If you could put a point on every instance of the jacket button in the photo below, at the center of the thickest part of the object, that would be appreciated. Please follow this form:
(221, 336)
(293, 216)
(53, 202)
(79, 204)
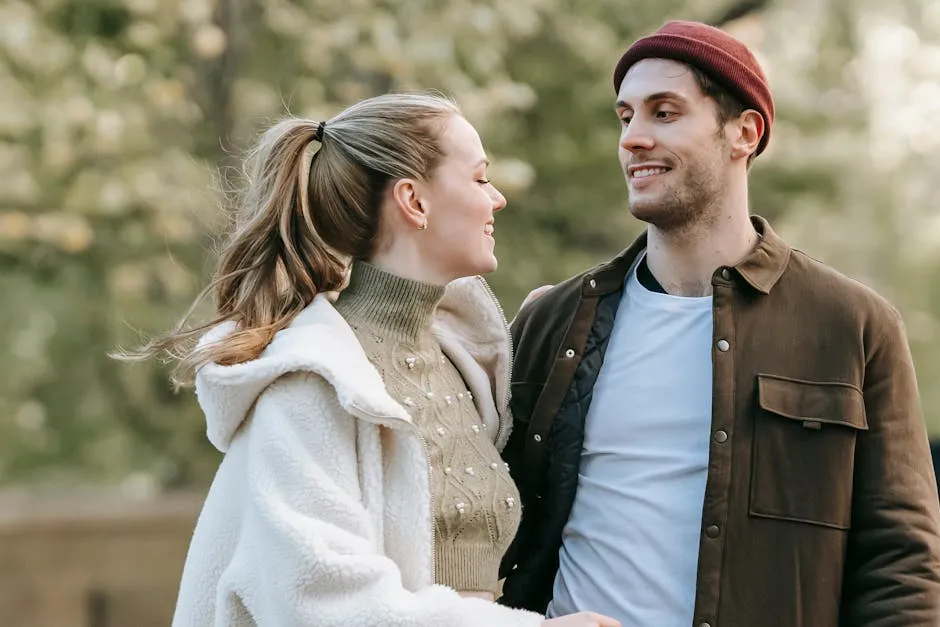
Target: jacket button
(592, 283)
(537, 437)
(712, 531)
(726, 274)
(721, 437)
(723, 346)
(569, 353)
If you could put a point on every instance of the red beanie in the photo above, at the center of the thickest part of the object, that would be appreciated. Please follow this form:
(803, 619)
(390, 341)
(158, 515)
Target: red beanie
(715, 52)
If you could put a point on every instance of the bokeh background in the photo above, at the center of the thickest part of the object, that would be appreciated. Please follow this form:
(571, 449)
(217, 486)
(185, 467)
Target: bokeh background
(119, 119)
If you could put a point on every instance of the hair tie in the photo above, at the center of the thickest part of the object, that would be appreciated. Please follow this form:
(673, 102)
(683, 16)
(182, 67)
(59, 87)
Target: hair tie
(319, 134)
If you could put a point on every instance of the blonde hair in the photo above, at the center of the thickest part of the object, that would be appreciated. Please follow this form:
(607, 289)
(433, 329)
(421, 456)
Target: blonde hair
(297, 225)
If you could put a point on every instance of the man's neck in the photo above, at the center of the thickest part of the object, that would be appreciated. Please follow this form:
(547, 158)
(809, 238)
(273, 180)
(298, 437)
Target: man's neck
(684, 260)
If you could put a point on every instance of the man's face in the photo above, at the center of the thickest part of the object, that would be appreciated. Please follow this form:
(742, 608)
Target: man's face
(673, 152)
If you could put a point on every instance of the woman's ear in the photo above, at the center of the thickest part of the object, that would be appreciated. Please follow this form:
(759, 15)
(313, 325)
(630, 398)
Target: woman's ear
(408, 204)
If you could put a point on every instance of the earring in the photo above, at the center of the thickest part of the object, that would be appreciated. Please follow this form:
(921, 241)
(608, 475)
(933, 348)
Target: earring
(423, 227)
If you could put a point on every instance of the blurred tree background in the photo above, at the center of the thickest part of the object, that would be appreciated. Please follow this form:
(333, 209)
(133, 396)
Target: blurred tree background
(117, 115)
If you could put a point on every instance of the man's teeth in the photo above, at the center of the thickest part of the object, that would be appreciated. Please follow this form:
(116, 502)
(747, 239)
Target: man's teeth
(639, 174)
(488, 229)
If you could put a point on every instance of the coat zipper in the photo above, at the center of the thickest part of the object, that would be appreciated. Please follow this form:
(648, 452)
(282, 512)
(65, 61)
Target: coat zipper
(499, 429)
(502, 314)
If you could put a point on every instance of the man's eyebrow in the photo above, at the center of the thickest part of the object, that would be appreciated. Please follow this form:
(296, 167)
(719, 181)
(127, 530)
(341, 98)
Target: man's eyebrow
(657, 97)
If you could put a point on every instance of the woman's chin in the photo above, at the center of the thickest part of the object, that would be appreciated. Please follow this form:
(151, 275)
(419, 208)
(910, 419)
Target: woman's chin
(484, 264)
(489, 266)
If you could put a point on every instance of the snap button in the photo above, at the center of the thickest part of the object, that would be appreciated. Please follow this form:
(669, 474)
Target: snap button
(537, 437)
(721, 437)
(726, 274)
(723, 346)
(569, 353)
(704, 625)
(592, 283)
(712, 531)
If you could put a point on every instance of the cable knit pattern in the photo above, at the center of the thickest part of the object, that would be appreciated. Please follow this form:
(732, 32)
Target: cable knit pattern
(476, 505)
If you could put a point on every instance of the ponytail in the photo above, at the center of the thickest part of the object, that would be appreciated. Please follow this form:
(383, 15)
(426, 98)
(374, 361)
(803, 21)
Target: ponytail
(271, 267)
(299, 221)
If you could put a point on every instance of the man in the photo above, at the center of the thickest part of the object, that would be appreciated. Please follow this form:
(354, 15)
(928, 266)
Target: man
(935, 457)
(714, 429)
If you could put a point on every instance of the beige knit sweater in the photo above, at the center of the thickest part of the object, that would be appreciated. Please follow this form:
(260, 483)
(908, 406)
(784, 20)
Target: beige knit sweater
(474, 500)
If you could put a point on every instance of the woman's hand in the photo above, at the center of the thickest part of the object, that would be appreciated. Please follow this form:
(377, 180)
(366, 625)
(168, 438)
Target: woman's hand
(582, 619)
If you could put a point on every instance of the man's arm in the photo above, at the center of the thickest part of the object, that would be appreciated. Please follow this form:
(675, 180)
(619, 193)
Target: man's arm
(892, 572)
(534, 294)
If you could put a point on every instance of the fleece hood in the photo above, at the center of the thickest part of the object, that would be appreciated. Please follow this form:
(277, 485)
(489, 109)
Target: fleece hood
(468, 323)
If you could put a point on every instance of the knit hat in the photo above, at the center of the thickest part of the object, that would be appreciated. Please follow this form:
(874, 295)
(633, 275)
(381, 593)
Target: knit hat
(715, 52)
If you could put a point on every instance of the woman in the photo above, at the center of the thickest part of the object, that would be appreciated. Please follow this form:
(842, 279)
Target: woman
(361, 483)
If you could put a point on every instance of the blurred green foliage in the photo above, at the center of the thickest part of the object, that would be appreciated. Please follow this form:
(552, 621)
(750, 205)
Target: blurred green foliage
(116, 115)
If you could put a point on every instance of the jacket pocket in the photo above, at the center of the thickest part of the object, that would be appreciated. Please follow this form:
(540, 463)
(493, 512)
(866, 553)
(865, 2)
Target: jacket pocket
(804, 450)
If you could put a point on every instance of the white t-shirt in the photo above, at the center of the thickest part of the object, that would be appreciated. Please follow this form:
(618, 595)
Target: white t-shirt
(630, 547)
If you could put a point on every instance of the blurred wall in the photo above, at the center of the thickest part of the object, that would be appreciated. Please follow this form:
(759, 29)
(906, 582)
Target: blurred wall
(92, 560)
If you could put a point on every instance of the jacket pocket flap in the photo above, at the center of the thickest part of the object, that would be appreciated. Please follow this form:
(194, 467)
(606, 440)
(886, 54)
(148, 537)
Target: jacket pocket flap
(813, 403)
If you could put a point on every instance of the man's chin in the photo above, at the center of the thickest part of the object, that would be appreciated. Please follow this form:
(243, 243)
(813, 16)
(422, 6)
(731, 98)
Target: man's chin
(645, 211)
(666, 218)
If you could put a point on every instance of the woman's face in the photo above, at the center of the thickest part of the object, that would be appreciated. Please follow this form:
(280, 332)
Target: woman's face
(460, 204)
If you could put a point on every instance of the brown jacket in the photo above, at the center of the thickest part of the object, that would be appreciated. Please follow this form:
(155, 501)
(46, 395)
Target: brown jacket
(821, 506)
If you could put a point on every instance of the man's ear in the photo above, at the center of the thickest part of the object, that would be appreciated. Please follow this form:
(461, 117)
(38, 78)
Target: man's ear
(408, 204)
(749, 131)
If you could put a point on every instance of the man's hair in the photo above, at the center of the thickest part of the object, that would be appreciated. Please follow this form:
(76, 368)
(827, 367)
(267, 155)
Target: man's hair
(727, 106)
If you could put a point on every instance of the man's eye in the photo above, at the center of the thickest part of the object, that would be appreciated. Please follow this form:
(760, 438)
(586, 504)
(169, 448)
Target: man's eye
(483, 181)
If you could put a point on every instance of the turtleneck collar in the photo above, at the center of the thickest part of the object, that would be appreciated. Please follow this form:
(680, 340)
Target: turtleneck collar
(388, 303)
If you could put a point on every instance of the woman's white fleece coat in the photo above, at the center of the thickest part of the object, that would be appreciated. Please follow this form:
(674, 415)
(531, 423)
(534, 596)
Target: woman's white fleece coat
(320, 512)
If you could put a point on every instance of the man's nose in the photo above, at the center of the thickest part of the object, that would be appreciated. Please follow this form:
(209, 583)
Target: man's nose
(636, 136)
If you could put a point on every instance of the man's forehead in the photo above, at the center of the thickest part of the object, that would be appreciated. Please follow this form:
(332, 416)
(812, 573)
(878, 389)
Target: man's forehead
(653, 76)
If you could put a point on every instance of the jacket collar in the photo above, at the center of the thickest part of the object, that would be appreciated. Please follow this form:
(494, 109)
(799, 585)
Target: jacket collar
(766, 263)
(761, 269)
